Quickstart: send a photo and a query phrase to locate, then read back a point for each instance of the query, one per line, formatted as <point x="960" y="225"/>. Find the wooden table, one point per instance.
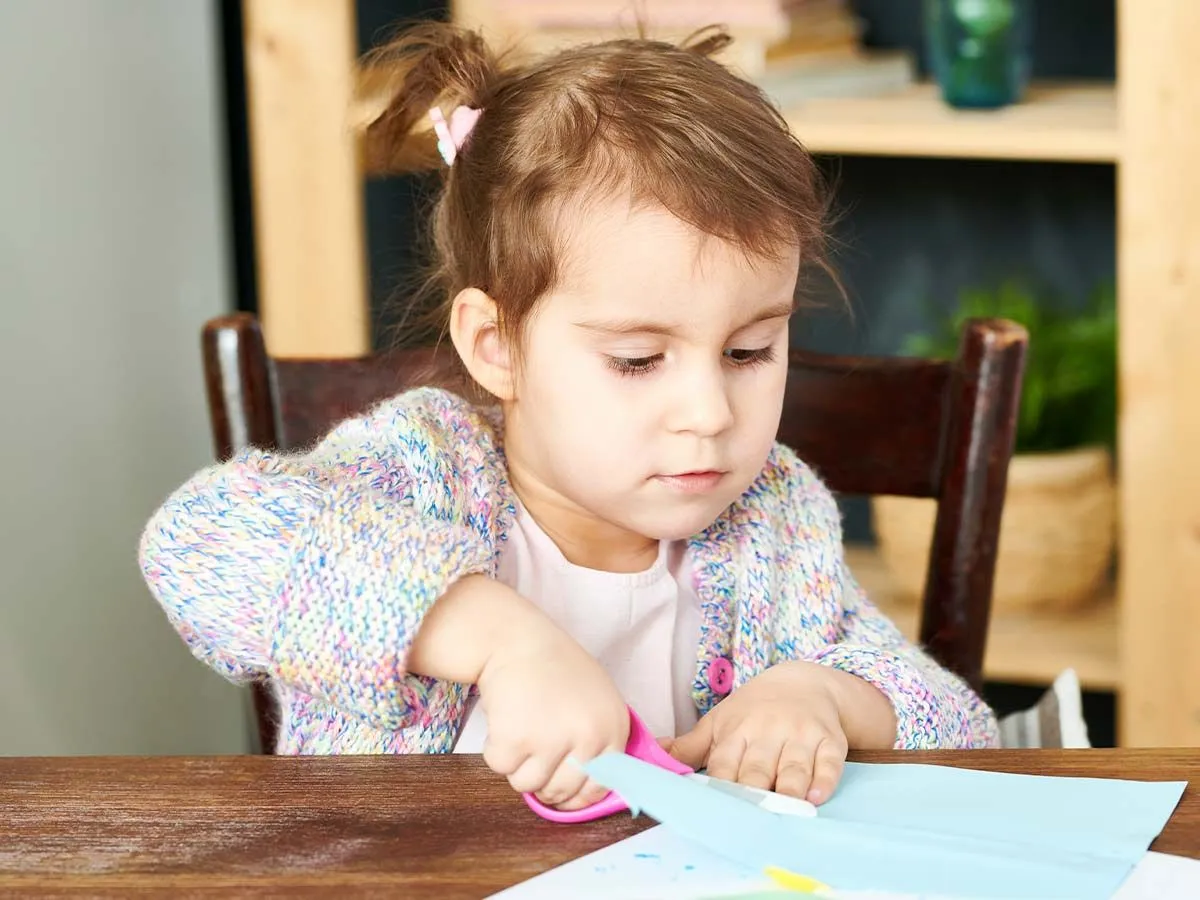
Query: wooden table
<point x="409" y="827"/>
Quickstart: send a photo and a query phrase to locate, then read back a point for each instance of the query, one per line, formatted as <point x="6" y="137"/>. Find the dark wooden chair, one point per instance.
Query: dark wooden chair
<point x="921" y="428"/>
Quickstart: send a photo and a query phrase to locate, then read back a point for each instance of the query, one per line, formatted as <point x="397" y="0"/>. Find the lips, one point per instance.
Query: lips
<point x="696" y="482"/>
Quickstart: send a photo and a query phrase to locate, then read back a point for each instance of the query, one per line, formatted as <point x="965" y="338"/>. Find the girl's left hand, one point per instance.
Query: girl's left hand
<point x="781" y="731"/>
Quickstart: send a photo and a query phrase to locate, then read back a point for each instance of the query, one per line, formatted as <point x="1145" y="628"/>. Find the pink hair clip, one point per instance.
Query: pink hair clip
<point x="452" y="135"/>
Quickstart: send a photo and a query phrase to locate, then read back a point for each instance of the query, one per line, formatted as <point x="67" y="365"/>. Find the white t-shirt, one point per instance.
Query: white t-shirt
<point x="643" y="627"/>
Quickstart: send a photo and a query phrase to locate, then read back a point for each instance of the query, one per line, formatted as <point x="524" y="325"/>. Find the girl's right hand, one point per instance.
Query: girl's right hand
<point x="549" y="705"/>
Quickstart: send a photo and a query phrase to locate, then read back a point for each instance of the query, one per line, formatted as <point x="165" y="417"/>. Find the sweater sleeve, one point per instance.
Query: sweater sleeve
<point x="934" y="707"/>
<point x="316" y="569"/>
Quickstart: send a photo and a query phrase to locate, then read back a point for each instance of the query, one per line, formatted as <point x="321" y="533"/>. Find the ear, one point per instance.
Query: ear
<point x="476" y="336"/>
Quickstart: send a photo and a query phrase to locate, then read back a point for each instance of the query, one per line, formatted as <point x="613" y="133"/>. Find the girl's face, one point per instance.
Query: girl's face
<point x="652" y="380"/>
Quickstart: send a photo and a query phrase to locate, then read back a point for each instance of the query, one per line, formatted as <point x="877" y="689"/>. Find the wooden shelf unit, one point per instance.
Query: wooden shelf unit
<point x="1074" y="122"/>
<point x="1068" y="122"/>
<point x="1147" y="124"/>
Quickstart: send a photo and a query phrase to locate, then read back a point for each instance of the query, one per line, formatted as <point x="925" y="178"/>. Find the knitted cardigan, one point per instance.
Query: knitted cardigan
<point x="315" y="569"/>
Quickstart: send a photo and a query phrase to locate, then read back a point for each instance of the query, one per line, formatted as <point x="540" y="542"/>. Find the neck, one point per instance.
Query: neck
<point x="582" y="538"/>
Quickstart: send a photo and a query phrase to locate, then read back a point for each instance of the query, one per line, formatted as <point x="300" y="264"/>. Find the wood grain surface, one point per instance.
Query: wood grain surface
<point x="405" y="826"/>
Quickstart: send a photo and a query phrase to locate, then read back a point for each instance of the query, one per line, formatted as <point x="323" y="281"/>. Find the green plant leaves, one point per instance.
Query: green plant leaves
<point x="1068" y="398"/>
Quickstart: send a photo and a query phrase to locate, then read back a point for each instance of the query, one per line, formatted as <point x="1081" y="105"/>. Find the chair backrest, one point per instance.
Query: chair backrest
<point x="867" y="425"/>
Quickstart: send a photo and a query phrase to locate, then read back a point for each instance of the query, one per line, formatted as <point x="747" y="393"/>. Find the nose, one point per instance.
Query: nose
<point x="702" y="404"/>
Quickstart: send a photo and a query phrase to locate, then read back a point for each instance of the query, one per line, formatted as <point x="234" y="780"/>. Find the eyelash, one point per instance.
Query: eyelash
<point x="644" y="365"/>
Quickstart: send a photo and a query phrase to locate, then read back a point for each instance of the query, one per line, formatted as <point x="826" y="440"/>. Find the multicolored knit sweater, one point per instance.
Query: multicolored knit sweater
<point x="315" y="569"/>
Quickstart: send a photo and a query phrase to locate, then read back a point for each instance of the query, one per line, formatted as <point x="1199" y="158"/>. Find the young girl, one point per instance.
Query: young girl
<point x="619" y="238"/>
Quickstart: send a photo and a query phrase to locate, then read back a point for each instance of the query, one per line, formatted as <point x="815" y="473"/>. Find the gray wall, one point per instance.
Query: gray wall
<point x="112" y="254"/>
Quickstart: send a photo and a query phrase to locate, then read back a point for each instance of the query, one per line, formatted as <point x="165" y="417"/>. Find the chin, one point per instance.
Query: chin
<point x="679" y="526"/>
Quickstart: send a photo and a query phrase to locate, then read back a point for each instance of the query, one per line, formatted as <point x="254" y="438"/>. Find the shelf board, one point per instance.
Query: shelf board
<point x="1023" y="647"/>
<point x="1065" y="121"/>
<point x="1057" y="121"/>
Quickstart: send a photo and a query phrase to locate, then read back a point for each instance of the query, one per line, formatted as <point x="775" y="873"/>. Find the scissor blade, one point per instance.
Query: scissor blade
<point x="768" y="801"/>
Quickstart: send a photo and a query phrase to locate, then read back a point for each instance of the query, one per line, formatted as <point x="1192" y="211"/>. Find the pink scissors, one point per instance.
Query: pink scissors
<point x="642" y="745"/>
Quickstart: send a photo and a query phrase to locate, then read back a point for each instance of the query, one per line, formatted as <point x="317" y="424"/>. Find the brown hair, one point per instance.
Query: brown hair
<point x="665" y="124"/>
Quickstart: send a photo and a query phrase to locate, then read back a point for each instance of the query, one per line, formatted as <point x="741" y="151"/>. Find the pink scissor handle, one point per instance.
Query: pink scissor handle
<point x="642" y="745"/>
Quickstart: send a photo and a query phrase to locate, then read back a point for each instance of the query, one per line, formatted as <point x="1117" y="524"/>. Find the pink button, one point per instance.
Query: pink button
<point x="720" y="675"/>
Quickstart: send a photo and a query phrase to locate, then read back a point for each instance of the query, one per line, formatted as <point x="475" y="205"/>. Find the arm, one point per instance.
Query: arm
<point x="933" y="707"/>
<point x="318" y="569"/>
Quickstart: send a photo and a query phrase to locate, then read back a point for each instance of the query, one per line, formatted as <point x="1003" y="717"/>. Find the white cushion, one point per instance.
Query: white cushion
<point x="1055" y="721"/>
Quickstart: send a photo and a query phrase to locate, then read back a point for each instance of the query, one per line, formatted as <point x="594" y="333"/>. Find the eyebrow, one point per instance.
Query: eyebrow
<point x="646" y="326"/>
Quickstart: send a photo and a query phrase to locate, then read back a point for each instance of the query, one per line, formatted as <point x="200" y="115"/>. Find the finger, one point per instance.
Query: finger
<point x="759" y="763"/>
<point x="592" y="793"/>
<point x="725" y="758"/>
<point x="534" y="774"/>
<point x="795" y="772"/>
<point x="589" y="793"/>
<point x="564" y="784"/>
<point x="828" y="765"/>
<point x="504" y="758"/>
<point x="692" y="748"/>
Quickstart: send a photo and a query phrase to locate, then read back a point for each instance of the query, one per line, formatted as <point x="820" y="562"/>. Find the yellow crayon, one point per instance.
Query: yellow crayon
<point x="801" y="884"/>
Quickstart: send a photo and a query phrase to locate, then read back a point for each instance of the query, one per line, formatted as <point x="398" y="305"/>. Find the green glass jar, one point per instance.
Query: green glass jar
<point x="979" y="50"/>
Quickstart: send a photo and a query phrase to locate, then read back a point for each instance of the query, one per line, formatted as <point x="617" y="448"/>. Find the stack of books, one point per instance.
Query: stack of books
<point x="542" y="26"/>
<point x="823" y="56"/>
<point x="796" y="50"/>
<point x="818" y="29"/>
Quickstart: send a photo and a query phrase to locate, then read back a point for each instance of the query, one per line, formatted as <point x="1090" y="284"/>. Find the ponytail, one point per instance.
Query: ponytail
<point x="433" y="64"/>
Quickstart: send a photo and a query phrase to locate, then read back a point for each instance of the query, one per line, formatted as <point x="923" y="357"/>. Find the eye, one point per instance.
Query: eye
<point x="740" y="357"/>
<point x="638" y="365"/>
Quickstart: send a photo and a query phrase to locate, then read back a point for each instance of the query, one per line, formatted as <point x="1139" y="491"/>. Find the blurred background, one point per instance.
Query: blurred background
<point x="165" y="161"/>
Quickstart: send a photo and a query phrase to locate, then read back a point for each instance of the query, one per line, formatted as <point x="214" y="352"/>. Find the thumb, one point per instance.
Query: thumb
<point x="692" y="748"/>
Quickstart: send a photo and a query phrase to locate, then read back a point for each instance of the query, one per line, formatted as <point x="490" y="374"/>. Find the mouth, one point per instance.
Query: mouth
<point x="697" y="482"/>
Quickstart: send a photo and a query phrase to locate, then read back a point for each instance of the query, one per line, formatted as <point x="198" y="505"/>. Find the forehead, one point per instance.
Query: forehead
<point x="619" y="258"/>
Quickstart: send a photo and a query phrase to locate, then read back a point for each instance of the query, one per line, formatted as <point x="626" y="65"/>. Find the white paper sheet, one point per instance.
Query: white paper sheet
<point x="658" y="865"/>
<point x="1162" y="877"/>
<point x="652" y="865"/>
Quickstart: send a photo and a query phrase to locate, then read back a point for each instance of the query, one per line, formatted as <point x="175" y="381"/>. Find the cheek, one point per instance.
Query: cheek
<point x="570" y="381"/>
<point x="760" y="404"/>
<point x="577" y="402"/>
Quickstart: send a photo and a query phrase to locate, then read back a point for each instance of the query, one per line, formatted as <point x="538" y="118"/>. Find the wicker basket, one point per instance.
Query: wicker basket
<point x="1056" y="536"/>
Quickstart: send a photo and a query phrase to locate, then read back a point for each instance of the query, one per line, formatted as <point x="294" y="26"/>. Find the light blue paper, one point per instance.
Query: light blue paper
<point x="924" y="829"/>
<point x="1092" y="815"/>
